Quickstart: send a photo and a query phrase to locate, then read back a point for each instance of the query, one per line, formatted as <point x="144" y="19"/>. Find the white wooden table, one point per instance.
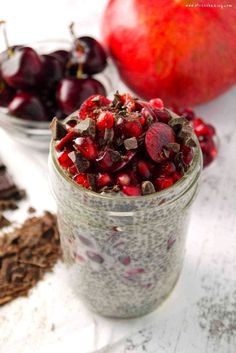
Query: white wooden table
<point x="200" y="315"/>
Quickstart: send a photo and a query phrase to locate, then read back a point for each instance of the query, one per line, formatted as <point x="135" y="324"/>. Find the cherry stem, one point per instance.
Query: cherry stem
<point x="9" y="50"/>
<point x="78" y="47"/>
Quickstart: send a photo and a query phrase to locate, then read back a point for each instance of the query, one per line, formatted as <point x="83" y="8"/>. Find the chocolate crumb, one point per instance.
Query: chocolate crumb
<point x="58" y="129"/>
<point x="26" y="254"/>
<point x="4" y="222"/>
<point x="31" y="209"/>
<point x="147" y="188"/>
<point x="81" y="162"/>
<point x="131" y="143"/>
<point x="86" y="127"/>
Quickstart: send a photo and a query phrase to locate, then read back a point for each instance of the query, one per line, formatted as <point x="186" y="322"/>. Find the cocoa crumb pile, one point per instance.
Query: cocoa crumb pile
<point x="26" y="254"/>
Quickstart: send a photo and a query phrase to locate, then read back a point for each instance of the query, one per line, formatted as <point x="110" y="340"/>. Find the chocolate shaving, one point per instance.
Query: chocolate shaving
<point x="81" y="162"/>
<point x="131" y="143"/>
<point x="26" y="254"/>
<point x="109" y="135"/>
<point x="86" y="127"/>
<point x="147" y="188"/>
<point x="115" y="156"/>
<point x="4" y="222"/>
<point x="58" y="129"/>
<point x="92" y="181"/>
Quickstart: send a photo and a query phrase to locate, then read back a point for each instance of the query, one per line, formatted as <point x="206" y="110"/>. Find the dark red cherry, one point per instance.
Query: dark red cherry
<point x="52" y="71"/>
<point x="94" y="55"/>
<point x="6" y="93"/>
<point x="27" y="106"/>
<point x="61" y="55"/>
<point x="72" y="92"/>
<point x="23" y="69"/>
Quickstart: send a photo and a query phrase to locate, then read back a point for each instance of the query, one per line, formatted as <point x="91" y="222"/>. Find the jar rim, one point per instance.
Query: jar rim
<point x="197" y="160"/>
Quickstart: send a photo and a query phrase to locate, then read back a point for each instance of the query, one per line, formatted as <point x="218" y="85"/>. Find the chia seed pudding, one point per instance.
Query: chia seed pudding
<point x="124" y="253"/>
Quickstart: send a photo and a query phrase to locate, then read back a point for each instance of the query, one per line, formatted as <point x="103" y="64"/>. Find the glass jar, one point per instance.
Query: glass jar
<point x="124" y="254"/>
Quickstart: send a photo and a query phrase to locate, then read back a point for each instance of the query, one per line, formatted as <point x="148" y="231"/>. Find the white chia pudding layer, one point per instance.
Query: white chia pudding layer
<point x="124" y="254"/>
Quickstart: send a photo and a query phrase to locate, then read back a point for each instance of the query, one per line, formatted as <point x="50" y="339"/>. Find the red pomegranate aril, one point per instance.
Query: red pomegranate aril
<point x="162" y="115"/>
<point x="187" y="154"/>
<point x="132" y="128"/>
<point x="128" y="101"/>
<point x="123" y="179"/>
<point x="131" y="190"/>
<point x="106" y="159"/>
<point x="176" y="176"/>
<point x="143" y="169"/>
<point x="65" y="140"/>
<point x="104" y="179"/>
<point x="124" y="162"/>
<point x="142" y="120"/>
<point x="87" y="147"/>
<point x="157" y="103"/>
<point x="188" y="114"/>
<point x="105" y="120"/>
<point x="210" y="130"/>
<point x="158" y="136"/>
<point x="92" y="103"/>
<point x="167" y="168"/>
<point x="73" y="170"/>
<point x="82" y="179"/>
<point x="162" y="183"/>
<point x="64" y="160"/>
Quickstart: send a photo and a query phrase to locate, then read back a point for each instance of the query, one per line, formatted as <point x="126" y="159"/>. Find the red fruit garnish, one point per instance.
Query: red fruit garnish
<point x="143" y="169"/>
<point x="64" y="160"/>
<point x="107" y="159"/>
<point x="82" y="179"/>
<point x="132" y="128"/>
<point x="157" y="103"/>
<point x="131" y="190"/>
<point x="87" y="147"/>
<point x="92" y="103"/>
<point x="105" y="120"/>
<point x="187" y="154"/>
<point x="128" y="101"/>
<point x="65" y="140"/>
<point x="176" y="176"/>
<point x="162" y="183"/>
<point x="167" y="168"/>
<point x="123" y="179"/>
<point x="124" y="162"/>
<point x="158" y="136"/>
<point x="104" y="179"/>
<point x="73" y="170"/>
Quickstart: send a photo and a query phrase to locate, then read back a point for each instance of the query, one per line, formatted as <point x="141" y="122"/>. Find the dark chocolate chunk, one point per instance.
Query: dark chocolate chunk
<point x="58" y="129"/>
<point x="131" y="143"/>
<point x="4" y="222"/>
<point x="81" y="162"/>
<point x="86" y="127"/>
<point x="147" y="188"/>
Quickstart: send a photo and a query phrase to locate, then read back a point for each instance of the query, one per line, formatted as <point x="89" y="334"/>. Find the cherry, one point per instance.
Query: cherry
<point x="52" y="69"/>
<point x="158" y="136"/>
<point x="90" y="52"/>
<point x="105" y="120"/>
<point x="61" y="55"/>
<point x="104" y="179"/>
<point x="131" y="190"/>
<point x="92" y="104"/>
<point x="87" y="147"/>
<point x="72" y="92"/>
<point x="6" y="93"/>
<point x="27" y="106"/>
<point x="162" y="183"/>
<point x="22" y="69"/>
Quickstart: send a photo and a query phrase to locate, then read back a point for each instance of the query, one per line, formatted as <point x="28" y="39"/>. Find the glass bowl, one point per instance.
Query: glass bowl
<point x="36" y="134"/>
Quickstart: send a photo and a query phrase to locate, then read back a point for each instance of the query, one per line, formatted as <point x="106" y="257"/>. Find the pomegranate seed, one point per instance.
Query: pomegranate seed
<point x="73" y="170"/>
<point x="176" y="176"/>
<point x="104" y="179"/>
<point x="162" y="183"/>
<point x="105" y="120"/>
<point x="131" y="190"/>
<point x="65" y="140"/>
<point x="143" y="169"/>
<point x="142" y="120"/>
<point x="132" y="128"/>
<point x="87" y="147"/>
<point x="157" y="136"/>
<point x="211" y="130"/>
<point x="64" y="160"/>
<point x="82" y="179"/>
<point x="188" y="114"/>
<point x="162" y="115"/>
<point x="91" y="104"/>
<point x="123" y="179"/>
<point x="167" y="168"/>
<point x="157" y="103"/>
<point x="187" y="154"/>
<point x="124" y="162"/>
<point x="128" y="101"/>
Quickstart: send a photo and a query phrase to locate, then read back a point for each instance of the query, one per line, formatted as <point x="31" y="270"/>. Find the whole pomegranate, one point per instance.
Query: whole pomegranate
<point x="179" y="50"/>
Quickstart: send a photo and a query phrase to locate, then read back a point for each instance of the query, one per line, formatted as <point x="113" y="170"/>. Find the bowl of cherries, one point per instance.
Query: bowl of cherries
<point x="41" y="80"/>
